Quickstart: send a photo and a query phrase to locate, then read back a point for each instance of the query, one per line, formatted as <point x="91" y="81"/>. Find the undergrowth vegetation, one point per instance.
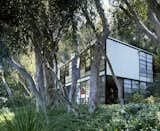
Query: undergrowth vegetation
<point x="131" y="117"/>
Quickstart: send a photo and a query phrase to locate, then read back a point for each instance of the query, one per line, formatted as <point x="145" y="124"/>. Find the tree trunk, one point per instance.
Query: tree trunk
<point x="9" y="92"/>
<point x="23" y="83"/>
<point x="103" y="43"/>
<point x="40" y="79"/>
<point x="72" y="89"/>
<point x="49" y="86"/>
<point x="94" y="79"/>
<point x="26" y="75"/>
<point x="60" y="92"/>
<point x="119" y="87"/>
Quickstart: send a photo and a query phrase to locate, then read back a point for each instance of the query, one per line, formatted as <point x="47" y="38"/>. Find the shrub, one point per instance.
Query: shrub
<point x="25" y="119"/>
<point x="137" y="98"/>
<point x="18" y="99"/>
<point x="151" y="99"/>
<point x="131" y="117"/>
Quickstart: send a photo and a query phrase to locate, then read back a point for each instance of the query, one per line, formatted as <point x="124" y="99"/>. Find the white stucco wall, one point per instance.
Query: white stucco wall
<point x="124" y="59"/>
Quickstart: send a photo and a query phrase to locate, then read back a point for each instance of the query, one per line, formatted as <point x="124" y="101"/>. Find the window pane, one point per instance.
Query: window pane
<point x="67" y="70"/>
<point x="142" y="54"/>
<point x="149" y="58"/>
<point x="135" y="86"/>
<point x="143" y="85"/>
<point x="127" y="86"/>
<point x="145" y="67"/>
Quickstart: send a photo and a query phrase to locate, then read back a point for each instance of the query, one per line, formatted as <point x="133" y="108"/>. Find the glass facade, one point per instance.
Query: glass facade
<point x="127" y="86"/>
<point x="83" y="92"/>
<point x="135" y="86"/>
<point x="146" y="67"/>
<point x="132" y="86"/>
<point x="101" y="90"/>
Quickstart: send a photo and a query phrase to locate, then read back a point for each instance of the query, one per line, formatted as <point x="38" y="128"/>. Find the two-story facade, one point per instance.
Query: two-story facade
<point x="133" y="67"/>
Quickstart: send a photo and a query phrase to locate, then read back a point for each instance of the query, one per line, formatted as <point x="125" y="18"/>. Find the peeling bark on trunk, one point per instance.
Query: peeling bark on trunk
<point x="94" y="79"/>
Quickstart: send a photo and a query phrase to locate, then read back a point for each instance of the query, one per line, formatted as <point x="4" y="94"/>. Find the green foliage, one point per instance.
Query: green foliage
<point x="137" y="98"/>
<point x="151" y="99"/>
<point x="25" y="119"/>
<point x="154" y="89"/>
<point x="19" y="95"/>
<point x="131" y="117"/>
<point x="18" y="99"/>
<point x="125" y="29"/>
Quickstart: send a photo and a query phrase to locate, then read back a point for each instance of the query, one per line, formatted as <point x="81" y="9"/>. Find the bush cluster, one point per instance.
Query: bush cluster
<point x="131" y="117"/>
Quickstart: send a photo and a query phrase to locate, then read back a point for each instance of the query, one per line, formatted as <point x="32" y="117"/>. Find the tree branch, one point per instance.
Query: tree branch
<point x="153" y="19"/>
<point x="140" y="24"/>
<point x="155" y="6"/>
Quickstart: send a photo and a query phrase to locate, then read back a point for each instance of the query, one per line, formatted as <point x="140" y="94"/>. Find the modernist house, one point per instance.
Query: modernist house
<point x="133" y="67"/>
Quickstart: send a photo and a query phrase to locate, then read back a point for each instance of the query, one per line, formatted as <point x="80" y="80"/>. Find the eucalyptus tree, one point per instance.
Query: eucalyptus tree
<point x="98" y="48"/>
<point x="40" y="25"/>
<point x="145" y="15"/>
<point x="101" y="35"/>
<point x="75" y="66"/>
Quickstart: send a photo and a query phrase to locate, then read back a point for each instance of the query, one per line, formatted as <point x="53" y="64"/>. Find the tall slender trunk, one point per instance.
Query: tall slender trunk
<point x="75" y="66"/>
<point x="49" y="86"/>
<point x="9" y="92"/>
<point x="94" y="78"/>
<point x="72" y="90"/>
<point x="55" y="68"/>
<point x="102" y="41"/>
<point x="119" y="87"/>
<point x="40" y="78"/>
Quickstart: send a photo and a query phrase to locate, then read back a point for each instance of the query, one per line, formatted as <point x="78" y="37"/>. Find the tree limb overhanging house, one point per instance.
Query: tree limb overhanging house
<point x="133" y="67"/>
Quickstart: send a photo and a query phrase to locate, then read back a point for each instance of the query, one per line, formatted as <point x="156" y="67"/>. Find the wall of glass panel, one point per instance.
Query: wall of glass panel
<point x="130" y="87"/>
<point x="83" y="92"/>
<point x="101" y="90"/>
<point x="127" y="86"/>
<point x="146" y="67"/>
<point x="133" y="86"/>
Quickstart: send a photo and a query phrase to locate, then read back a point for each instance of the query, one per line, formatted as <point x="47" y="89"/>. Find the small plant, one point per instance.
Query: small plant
<point x="151" y="99"/>
<point x="137" y="98"/>
<point x="25" y="119"/>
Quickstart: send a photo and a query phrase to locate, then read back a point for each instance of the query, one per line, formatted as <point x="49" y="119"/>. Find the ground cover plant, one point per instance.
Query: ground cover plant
<point x="131" y="117"/>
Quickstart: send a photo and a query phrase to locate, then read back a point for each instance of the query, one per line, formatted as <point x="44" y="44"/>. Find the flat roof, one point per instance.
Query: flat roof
<point x="137" y="48"/>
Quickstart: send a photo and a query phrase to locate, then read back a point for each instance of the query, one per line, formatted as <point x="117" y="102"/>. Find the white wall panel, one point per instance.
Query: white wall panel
<point x="124" y="59"/>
